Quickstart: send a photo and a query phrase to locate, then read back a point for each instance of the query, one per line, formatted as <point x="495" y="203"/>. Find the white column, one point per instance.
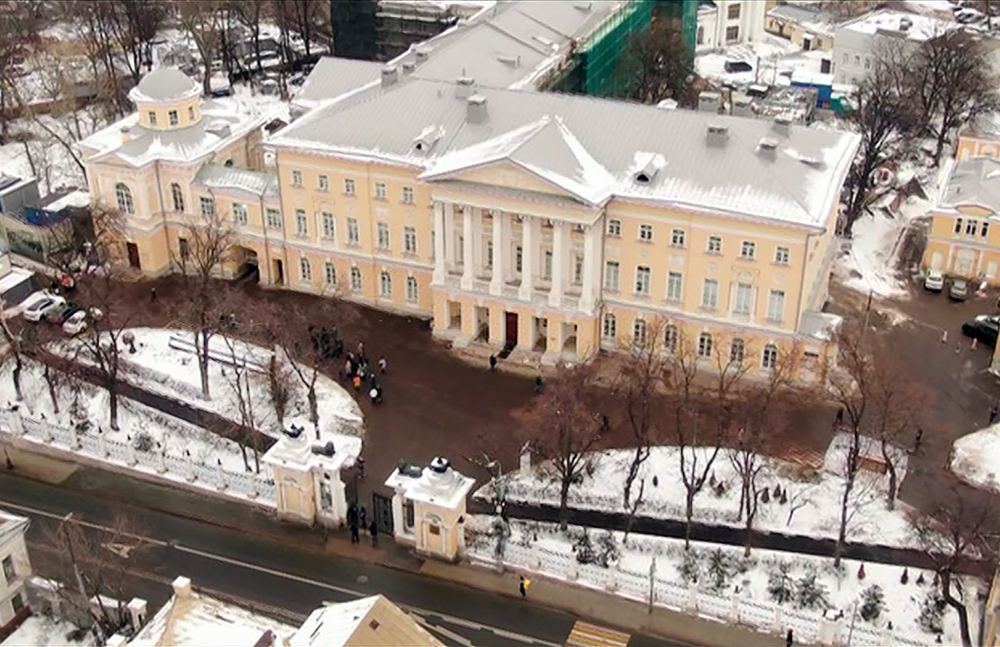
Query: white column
<point x="591" y="267"/>
<point x="560" y="235"/>
<point x="477" y="241"/>
<point x="499" y="252"/>
<point x="468" y="244"/>
<point x="450" y="257"/>
<point x="529" y="243"/>
<point x="439" y="249"/>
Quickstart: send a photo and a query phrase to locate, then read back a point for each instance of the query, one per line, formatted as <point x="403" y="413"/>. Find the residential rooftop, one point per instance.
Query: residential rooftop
<point x="918" y="27"/>
<point x="333" y="77"/>
<point x="974" y="181"/>
<point x="808" y="18"/>
<point x="367" y="621"/>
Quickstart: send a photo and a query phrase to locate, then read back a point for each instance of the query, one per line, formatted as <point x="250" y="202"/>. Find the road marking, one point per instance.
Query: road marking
<point x="85" y="524"/>
<point x="447" y="633"/>
<point x="587" y="635"/>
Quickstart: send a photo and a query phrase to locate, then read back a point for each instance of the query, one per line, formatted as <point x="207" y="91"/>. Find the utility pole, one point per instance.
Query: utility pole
<point x="72" y="556"/>
<point x="652" y="583"/>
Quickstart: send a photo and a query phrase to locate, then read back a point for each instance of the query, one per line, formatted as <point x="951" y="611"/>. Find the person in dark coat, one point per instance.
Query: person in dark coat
<point x="493" y="363"/>
<point x="373" y="529"/>
<point x="363" y="517"/>
<point x="538" y="384"/>
<point x="355" y="537"/>
<point x="789" y="639"/>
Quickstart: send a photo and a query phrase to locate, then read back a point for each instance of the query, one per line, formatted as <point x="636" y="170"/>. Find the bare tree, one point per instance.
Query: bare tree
<point x="562" y="428"/>
<point x="13" y="335"/>
<point x="281" y="386"/>
<point x="203" y="19"/>
<point x="656" y="65"/>
<point x="243" y="379"/>
<point x="134" y="25"/>
<point x="15" y="19"/>
<point x="250" y="16"/>
<point x="94" y="26"/>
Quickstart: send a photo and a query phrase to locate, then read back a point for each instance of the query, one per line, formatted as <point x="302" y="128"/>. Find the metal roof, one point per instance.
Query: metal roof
<point x="223" y="178"/>
<point x="165" y="84"/>
<point x="974" y="181"/>
<point x="333" y="77"/>
<point x="797" y="182"/>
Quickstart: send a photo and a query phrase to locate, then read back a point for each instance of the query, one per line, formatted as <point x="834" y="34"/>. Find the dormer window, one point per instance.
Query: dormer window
<point x="190" y="113"/>
<point x="427" y="138"/>
<point x="152" y="118"/>
<point x="647" y="165"/>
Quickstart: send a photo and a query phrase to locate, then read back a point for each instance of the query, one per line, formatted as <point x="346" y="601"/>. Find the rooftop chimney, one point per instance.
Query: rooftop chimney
<point x="741" y="107"/>
<point x="126" y="134"/>
<point x="390" y="74"/>
<point x="421" y="53"/>
<point x="767" y="148"/>
<point x="464" y="87"/>
<point x="783" y="124"/>
<point x="717" y="134"/>
<point x="182" y="587"/>
<point x="709" y="101"/>
<point x="408" y="67"/>
<point x="476" y="113"/>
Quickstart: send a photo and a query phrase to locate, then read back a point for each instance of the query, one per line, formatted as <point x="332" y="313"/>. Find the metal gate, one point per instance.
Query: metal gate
<point x="382" y="509"/>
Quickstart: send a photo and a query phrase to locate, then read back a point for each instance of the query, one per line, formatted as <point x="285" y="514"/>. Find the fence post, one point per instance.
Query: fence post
<point x="16" y="421"/>
<point x="162" y="468"/>
<point x="192" y="473"/>
<point x="734" y="609"/>
<point x="222" y="475"/>
<point x="574" y="567"/>
<point x="611" y="584"/>
<point x="74" y="435"/>
<point x="130" y="451"/>
<point x="46" y="431"/>
<point x="886" y="638"/>
<point x="692" y="601"/>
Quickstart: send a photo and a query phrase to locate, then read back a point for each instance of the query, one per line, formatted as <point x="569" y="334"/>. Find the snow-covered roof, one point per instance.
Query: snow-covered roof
<point x="165" y="84"/>
<point x="586" y="147"/>
<point x="333" y="77"/>
<point x="437" y="483"/>
<point x="10" y="525"/>
<point x="919" y="27"/>
<point x="76" y="198"/>
<point x="305" y="452"/>
<point x="973" y="181"/>
<point x="222" y="178"/>
<point x="819" y="325"/>
<point x="985" y="126"/>
<point x="368" y="621"/>
<point x="222" y="121"/>
<point x="332" y="626"/>
<point x="806" y="17"/>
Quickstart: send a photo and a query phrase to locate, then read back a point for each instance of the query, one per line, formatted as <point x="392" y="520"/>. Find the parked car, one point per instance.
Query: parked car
<point x="959" y="290"/>
<point x="61" y="314"/>
<point x="934" y="281"/>
<point x="29" y="301"/>
<point x="38" y="310"/>
<point x="76" y="323"/>
<point x="984" y="328"/>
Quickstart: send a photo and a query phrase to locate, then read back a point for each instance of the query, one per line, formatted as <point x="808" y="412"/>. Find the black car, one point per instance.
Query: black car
<point x="984" y="328"/>
<point x="62" y="314"/>
<point x="737" y="66"/>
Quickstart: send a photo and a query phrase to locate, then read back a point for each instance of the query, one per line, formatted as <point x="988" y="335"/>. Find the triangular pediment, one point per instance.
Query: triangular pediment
<point x="508" y="175"/>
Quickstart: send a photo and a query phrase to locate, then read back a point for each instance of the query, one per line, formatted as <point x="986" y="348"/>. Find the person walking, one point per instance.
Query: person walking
<point x="363" y="517"/>
<point x="525" y="584"/>
<point x="355" y="537"/>
<point x="152" y="295"/>
<point x="538" y="384"/>
<point x="373" y="530"/>
<point x="493" y="363"/>
<point x="382" y="365"/>
<point x="918" y="439"/>
<point x="789" y="639"/>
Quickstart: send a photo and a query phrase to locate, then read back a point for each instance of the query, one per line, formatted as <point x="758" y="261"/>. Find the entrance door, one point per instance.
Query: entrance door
<point x="382" y="510"/>
<point x="279" y="272"/>
<point x="133" y="255"/>
<point x="511" y="333"/>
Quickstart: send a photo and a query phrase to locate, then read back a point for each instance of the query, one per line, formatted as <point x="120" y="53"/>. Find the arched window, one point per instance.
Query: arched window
<point x="385" y="281"/>
<point x="639" y="333"/>
<point x="704" y="344"/>
<point x="770" y="357"/>
<point x="736" y="351"/>
<point x="305" y="269"/>
<point x="124" y="197"/>
<point x="178" y="197"/>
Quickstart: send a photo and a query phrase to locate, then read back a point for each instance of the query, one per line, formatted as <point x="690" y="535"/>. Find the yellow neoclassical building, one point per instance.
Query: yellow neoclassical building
<point x="550" y="225"/>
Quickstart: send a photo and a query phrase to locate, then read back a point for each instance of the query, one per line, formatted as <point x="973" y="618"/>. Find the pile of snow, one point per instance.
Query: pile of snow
<point x="723" y="572"/>
<point x="976" y="458"/>
<point x="870" y="263"/>
<point x="45" y="631"/>
<point x="812" y="506"/>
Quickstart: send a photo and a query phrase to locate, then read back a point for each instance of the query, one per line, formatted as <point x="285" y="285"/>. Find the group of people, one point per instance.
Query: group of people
<point x="358" y="370"/>
<point x="357" y="518"/>
<point x="327" y="342"/>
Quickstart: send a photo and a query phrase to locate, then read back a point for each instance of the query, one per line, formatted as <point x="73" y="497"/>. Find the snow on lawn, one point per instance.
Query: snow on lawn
<point x="45" y="631"/>
<point x="870" y="263"/>
<point x="774" y="55"/>
<point x="159" y="368"/>
<point x="722" y="570"/>
<point x="976" y="458"/>
<point x="90" y="404"/>
<point x="815" y="496"/>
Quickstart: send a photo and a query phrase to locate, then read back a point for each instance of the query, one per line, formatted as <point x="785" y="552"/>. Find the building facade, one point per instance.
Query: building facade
<point x="722" y="23"/>
<point x="15" y="570"/>
<point x="857" y="42"/>
<point x="808" y="28"/>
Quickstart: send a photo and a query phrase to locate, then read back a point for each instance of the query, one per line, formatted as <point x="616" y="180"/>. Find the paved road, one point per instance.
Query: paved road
<point x="281" y="579"/>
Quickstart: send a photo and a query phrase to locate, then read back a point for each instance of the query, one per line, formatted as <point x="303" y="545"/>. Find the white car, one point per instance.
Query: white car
<point x="29" y="301"/>
<point x="37" y="310"/>
<point x="77" y="321"/>
<point x="934" y="281"/>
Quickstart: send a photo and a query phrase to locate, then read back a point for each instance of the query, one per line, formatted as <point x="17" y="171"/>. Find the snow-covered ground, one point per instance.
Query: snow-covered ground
<point x="722" y="572"/>
<point x="776" y="57"/>
<point x="976" y="458"/>
<point x="43" y="631"/>
<point x="870" y="263"/>
<point x="812" y="507"/>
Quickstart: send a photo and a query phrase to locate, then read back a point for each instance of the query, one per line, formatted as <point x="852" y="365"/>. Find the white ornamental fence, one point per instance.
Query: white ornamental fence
<point x="811" y="628"/>
<point x="211" y="479"/>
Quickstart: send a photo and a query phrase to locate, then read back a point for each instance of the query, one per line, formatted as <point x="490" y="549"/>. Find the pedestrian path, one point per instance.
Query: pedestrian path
<point x="585" y="634"/>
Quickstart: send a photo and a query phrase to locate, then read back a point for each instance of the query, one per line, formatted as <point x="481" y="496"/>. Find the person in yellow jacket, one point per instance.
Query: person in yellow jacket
<point x="525" y="585"/>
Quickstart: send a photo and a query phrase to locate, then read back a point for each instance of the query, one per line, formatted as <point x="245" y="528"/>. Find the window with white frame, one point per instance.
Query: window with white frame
<point x="776" y="306"/>
<point x="970" y="226"/>
<point x="782" y="255"/>
<point x="152" y="118"/>
<point x="240" y="215"/>
<point x="733" y="12"/>
<point x="173" y="118"/>
<point x="353" y="234"/>
<point x="380" y="191"/>
<point x="714" y="244"/>
<point x="704" y="344"/>
<point x="984" y="230"/>
<point x="677" y="238"/>
<point x="330" y="273"/>
<point x="770" y="357"/>
<point x="518" y="258"/>
<point x="329" y="225"/>
<point x="646" y="233"/>
<point x="356" y="279"/>
<point x="577" y="269"/>
<point x="296" y="178"/>
<point x="385" y="283"/>
<point x="547" y="265"/>
<point x="710" y="294"/>
<point x="639" y="330"/>
<point x="958" y="225"/>
<point x="748" y="249"/>
<point x="301" y="222"/>
<point x="675" y="284"/>
<point x="412" y="291"/>
<point x="642" y="280"/>
<point x="671" y="335"/>
<point x="323" y="183"/>
<point x="348" y="186"/>
<point x="736" y="350"/>
<point x="612" y="275"/>
<point x="123" y="196"/>
<point x="407" y="195"/>
<point x="743" y="301"/>
<point x="183" y="249"/>
<point x="273" y="219"/>
<point x="609" y="326"/>
<point x="177" y="194"/>
<point x="207" y="207"/>
<point x="410" y="240"/>
<point x="489" y="254"/>
<point x="305" y="269"/>
<point x="615" y="228"/>
<point x="383" y="235"/>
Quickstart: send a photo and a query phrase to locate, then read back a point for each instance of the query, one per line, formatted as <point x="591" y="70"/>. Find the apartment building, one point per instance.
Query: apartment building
<point x="15" y="569"/>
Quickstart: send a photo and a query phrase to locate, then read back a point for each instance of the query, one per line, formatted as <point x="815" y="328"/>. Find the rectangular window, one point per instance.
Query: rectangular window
<point x="615" y="228"/>
<point x="240" y="213"/>
<point x="639" y="330"/>
<point x="646" y="233"/>
<point x="412" y="291"/>
<point x="301" y="222"/>
<point x="577" y="269"/>
<point x="958" y="225"/>
<point x="782" y="255"/>
<point x="410" y="240"/>
<point x="380" y="192"/>
<point x="383" y="235"/>
<point x="331" y="273"/>
<point x="17" y="602"/>
<point x="675" y="281"/>
<point x="182" y="248"/>
<point x="190" y="113"/>
<point x="324" y="183"/>
<point x="273" y="219"/>
<point x="733" y="13"/>
<point x="353" y="235"/>
<point x="732" y="33"/>
<point x="348" y="186"/>
<point x="776" y="306"/>
<point x="611" y="276"/>
<point x="296" y="178"/>
<point x="172" y="118"/>
<point x="748" y="249"/>
<point x="970" y="227"/>
<point x="714" y="245"/>
<point x="8" y="569"/>
<point x="985" y="229"/>
<point x="305" y="269"/>
<point x="207" y="207"/>
<point x="710" y="294"/>
<point x="385" y="283"/>
<point x="642" y="280"/>
<point x="518" y="258"/>
<point x="677" y="238"/>
<point x="407" y="195"/>
<point x="547" y="265"/>
<point x="356" y="279"/>
<point x="152" y="118"/>
<point x="329" y="225"/>
<point x="609" y="328"/>
<point x="744" y="299"/>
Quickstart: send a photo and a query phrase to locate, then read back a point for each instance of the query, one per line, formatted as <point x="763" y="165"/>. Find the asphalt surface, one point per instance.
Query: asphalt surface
<point x="277" y="578"/>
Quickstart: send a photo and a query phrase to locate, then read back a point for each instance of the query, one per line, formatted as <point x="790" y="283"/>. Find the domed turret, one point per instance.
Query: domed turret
<point x="167" y="99"/>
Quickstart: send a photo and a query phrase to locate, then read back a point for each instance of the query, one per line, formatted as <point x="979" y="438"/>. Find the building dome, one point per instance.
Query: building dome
<point x="165" y="85"/>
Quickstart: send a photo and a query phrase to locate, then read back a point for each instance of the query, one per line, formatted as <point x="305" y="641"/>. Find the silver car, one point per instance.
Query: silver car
<point x="959" y="290"/>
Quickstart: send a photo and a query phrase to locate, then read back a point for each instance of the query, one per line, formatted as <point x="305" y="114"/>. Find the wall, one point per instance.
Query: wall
<point x="973" y="145"/>
<point x="963" y="254"/>
<point x="16" y="549"/>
